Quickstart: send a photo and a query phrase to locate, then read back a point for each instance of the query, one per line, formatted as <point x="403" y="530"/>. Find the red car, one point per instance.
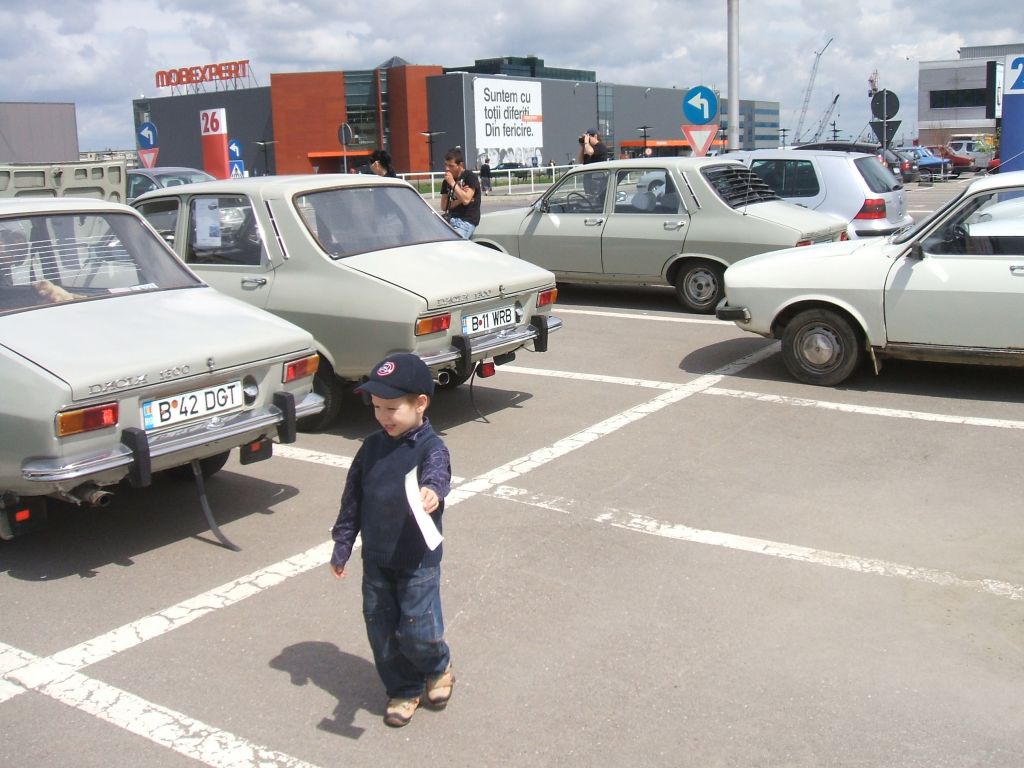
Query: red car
<point x="959" y="161"/>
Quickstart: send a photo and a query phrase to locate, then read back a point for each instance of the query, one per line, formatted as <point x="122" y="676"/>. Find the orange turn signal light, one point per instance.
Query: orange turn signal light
<point x="433" y="324"/>
<point x="301" y="368"/>
<point x="549" y="296"/>
<point x="86" y="419"/>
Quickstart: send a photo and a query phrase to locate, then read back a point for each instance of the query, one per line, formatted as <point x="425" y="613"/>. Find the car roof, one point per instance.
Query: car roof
<point x="788" y="153"/>
<point x="682" y="163"/>
<point x="12" y="206"/>
<point x="277" y="186"/>
<point x="164" y="169"/>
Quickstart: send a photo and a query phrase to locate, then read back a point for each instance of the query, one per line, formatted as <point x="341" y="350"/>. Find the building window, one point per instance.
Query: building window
<point x="958" y="99"/>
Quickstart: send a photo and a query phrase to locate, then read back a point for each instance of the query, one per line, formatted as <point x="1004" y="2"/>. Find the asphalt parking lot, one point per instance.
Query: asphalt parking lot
<point x="661" y="551"/>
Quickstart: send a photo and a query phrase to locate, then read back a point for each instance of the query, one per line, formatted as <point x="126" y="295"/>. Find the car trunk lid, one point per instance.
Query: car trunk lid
<point x="197" y="332"/>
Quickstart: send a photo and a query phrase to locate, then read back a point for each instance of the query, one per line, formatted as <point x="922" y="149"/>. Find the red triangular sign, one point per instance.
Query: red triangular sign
<point x="148" y="157"/>
<point x="700" y="137"/>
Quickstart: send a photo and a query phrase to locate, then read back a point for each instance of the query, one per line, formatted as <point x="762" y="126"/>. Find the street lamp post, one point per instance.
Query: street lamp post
<point x="430" y="143"/>
<point x="263" y="145"/>
<point x="644" y="129"/>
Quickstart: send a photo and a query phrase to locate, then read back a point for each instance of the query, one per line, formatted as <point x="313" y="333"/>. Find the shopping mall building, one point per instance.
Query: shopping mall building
<point x="507" y="110"/>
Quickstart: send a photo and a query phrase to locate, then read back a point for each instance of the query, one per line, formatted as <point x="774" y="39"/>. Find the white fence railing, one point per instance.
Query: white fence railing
<point x="520" y="181"/>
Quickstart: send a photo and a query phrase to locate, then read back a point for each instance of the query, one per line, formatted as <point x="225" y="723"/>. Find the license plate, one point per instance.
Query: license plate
<point x="192" y="405"/>
<point x="491" y="320"/>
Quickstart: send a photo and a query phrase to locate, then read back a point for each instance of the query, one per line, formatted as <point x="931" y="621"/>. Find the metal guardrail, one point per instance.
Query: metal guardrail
<point x="522" y="181"/>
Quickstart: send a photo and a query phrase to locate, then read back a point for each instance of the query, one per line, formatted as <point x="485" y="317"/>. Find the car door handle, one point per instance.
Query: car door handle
<point x="253" y="282"/>
<point x="670" y="225"/>
<point x="593" y="222"/>
<point x="1017" y="269"/>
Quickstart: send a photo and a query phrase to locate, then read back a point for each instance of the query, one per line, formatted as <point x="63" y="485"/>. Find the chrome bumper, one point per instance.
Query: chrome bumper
<point x="137" y="450"/>
<point x="464" y="351"/>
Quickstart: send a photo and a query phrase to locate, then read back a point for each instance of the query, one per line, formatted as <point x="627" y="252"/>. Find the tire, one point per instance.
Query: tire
<point x="821" y="347"/>
<point x="328" y="386"/>
<point x="210" y="466"/>
<point x="700" y="286"/>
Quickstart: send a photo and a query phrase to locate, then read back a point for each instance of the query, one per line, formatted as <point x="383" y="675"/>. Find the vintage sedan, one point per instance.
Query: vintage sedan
<point x="363" y="263"/>
<point x="116" y="361"/>
<point x="667" y="221"/>
<point x="950" y="289"/>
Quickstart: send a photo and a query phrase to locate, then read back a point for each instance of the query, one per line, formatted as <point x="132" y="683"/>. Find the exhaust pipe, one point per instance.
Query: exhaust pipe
<point x="95" y="496"/>
<point x="443" y="378"/>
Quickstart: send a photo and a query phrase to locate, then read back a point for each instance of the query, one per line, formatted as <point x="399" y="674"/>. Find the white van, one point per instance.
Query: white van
<point x="966" y="145"/>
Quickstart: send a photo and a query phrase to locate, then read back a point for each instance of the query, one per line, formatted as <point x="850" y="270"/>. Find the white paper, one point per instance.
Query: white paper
<point x="431" y="535"/>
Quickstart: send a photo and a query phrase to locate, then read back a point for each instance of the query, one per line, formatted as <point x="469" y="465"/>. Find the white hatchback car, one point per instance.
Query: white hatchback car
<point x="948" y="290"/>
<point x="852" y="185"/>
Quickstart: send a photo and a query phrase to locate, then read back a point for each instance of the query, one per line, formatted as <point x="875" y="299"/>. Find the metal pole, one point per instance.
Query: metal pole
<point x="734" y="74"/>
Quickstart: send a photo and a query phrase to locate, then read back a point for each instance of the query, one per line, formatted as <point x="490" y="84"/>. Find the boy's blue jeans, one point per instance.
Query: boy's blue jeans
<point x="462" y="226"/>
<point x="402" y="609"/>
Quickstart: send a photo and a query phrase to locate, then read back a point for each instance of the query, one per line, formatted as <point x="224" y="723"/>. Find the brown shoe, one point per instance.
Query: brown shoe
<point x="439" y="688"/>
<point x="400" y="711"/>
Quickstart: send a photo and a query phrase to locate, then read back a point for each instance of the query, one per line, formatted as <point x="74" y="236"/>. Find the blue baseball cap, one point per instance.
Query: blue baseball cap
<point x="399" y="375"/>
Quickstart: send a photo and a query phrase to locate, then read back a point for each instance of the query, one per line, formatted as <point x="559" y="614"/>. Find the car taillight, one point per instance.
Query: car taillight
<point x="433" y="324"/>
<point x="300" y="369"/>
<point x="803" y="242"/>
<point x="872" y="209"/>
<point x="549" y="296"/>
<point x="86" y="419"/>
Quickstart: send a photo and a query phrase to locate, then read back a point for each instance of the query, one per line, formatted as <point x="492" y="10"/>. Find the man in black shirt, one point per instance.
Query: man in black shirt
<point x="592" y="150"/>
<point x="460" y="194"/>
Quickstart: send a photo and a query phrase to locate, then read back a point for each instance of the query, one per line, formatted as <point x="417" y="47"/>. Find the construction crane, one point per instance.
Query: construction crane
<point x="807" y="93"/>
<point x="824" y="119"/>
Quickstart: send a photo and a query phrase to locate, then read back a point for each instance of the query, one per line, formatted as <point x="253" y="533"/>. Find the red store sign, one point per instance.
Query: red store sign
<point x="228" y="70"/>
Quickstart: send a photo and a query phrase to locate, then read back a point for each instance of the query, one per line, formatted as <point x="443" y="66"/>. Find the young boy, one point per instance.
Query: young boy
<point x="401" y="575"/>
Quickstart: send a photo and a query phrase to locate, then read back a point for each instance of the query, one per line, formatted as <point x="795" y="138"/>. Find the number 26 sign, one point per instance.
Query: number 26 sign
<point x="213" y="122"/>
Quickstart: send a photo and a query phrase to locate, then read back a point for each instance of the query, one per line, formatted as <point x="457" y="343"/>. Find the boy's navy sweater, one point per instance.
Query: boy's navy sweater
<point x="391" y="537"/>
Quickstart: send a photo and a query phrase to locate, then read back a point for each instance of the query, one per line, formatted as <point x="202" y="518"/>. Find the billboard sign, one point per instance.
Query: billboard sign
<point x="509" y="120"/>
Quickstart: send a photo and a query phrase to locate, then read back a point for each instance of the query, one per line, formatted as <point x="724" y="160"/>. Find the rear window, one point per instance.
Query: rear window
<point x="878" y="178"/>
<point x="59" y="258"/>
<point x="737" y="185"/>
<point x="354" y="220"/>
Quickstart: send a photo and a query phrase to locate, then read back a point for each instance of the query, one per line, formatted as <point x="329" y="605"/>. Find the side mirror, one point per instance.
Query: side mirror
<point x="542" y="206"/>
<point x="917" y="252"/>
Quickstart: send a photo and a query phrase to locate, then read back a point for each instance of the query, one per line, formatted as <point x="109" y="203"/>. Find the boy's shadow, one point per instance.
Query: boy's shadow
<point x="350" y="679"/>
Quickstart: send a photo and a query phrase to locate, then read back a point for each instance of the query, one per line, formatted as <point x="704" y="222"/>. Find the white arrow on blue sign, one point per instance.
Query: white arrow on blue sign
<point x="146" y="136"/>
<point x="700" y="105"/>
<point x="235" y="149"/>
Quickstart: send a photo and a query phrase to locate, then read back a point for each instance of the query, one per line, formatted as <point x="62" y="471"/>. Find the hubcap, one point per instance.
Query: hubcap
<point x="820" y="347"/>
<point x="701" y="287"/>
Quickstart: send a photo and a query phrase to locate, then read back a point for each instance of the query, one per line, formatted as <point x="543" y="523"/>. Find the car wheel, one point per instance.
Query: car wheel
<point x="328" y="386"/>
<point x="209" y="466"/>
<point x="821" y="347"/>
<point x="699" y="286"/>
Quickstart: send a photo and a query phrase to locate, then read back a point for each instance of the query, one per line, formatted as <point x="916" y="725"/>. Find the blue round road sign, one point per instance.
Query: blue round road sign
<point x="700" y="105"/>
<point x="146" y="136"/>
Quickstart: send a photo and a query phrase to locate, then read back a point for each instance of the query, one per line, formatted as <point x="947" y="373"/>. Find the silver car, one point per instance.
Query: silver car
<point x="666" y="221"/>
<point x="363" y="263"/>
<point x="854" y="186"/>
<point x="116" y="361"/>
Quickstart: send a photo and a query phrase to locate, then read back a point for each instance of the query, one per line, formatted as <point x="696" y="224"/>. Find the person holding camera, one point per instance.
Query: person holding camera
<point x="592" y="150"/>
<point x="460" y="194"/>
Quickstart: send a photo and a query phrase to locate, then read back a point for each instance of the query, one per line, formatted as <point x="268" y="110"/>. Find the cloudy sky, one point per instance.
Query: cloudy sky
<point x="100" y="54"/>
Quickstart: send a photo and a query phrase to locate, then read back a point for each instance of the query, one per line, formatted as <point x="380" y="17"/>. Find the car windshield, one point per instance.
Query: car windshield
<point x="58" y="258"/>
<point x="351" y="220"/>
<point x="737" y="185"/>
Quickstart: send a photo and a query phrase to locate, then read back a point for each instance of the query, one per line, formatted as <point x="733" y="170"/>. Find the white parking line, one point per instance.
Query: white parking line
<point x="643" y="316"/>
<point x="648" y="525"/>
<point x="163" y="726"/>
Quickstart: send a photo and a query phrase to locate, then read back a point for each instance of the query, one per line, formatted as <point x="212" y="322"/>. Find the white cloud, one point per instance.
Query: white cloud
<point x="102" y="53"/>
